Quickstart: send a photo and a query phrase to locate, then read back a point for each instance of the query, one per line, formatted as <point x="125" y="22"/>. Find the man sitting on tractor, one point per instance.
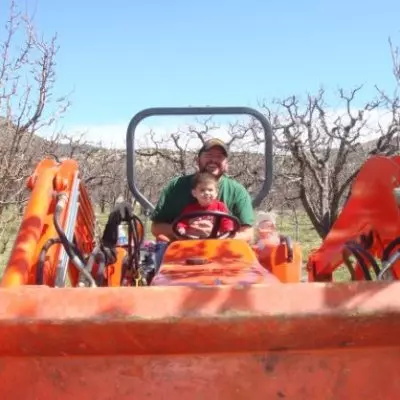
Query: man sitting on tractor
<point x="177" y="194"/>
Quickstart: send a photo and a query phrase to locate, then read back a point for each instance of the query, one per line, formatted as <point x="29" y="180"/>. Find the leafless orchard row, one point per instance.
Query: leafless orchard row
<point x="317" y="151"/>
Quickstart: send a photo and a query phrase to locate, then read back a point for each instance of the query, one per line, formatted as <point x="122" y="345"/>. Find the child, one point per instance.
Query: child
<point x="205" y="191"/>
<point x="266" y="232"/>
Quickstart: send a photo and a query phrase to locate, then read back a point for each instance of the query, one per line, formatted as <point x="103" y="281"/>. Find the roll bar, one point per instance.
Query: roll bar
<point x="208" y="110"/>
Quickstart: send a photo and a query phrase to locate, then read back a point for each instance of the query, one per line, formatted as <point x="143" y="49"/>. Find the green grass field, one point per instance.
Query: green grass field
<point x="303" y="232"/>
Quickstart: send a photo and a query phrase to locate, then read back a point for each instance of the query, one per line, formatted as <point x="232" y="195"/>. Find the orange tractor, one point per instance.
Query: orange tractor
<point x="216" y="319"/>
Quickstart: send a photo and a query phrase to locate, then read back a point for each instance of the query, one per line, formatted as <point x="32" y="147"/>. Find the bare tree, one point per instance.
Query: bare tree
<point x="27" y="78"/>
<point x="388" y="142"/>
<point x="324" y="150"/>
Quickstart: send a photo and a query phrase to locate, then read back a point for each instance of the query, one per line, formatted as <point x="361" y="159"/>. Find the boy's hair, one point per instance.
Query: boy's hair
<point x="203" y="177"/>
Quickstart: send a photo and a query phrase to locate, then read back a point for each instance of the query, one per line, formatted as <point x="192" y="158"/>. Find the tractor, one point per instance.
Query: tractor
<point x="214" y="317"/>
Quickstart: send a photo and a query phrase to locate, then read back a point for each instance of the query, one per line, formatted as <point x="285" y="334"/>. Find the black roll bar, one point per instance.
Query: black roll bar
<point x="208" y="110"/>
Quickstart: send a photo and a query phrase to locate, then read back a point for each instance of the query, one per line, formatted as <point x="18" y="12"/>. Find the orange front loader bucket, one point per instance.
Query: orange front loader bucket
<point x="294" y="341"/>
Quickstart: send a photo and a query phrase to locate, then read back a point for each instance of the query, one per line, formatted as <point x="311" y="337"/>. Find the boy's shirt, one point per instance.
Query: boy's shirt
<point x="226" y="224"/>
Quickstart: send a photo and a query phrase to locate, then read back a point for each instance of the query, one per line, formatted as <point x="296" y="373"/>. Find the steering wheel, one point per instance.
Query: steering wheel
<point x="218" y="215"/>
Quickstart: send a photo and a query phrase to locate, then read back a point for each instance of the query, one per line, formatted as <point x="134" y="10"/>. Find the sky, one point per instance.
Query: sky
<point x="118" y="57"/>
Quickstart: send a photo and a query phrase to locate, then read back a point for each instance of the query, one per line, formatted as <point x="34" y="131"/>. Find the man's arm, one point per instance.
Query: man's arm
<point x="245" y="233"/>
<point x="159" y="219"/>
<point x="244" y="211"/>
<point x="162" y="228"/>
<point x="226" y="224"/>
<point x="197" y="229"/>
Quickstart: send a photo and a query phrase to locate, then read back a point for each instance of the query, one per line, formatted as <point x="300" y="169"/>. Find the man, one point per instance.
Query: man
<point x="177" y="194"/>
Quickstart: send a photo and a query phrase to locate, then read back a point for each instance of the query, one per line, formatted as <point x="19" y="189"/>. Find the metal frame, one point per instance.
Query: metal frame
<point x="208" y="110"/>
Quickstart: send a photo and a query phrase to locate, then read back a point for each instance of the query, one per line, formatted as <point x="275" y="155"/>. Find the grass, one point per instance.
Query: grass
<point x="300" y="230"/>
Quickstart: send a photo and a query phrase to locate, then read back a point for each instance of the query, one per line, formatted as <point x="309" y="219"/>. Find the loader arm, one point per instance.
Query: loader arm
<point x="367" y="227"/>
<point x="56" y="231"/>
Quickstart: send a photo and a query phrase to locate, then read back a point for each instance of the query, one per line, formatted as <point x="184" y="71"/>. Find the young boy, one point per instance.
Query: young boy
<point x="205" y="191"/>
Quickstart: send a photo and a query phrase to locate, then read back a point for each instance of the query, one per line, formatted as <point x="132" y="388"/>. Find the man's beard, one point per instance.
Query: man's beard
<point x="212" y="168"/>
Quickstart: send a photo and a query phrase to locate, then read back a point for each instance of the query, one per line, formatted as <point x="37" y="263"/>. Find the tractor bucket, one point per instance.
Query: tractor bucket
<point x="293" y="341"/>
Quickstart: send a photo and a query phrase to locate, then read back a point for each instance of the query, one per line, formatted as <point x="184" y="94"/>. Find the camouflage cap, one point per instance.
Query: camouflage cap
<point x="208" y="144"/>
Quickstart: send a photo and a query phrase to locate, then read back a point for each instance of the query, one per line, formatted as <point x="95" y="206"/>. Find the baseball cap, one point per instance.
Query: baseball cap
<point x="208" y="144"/>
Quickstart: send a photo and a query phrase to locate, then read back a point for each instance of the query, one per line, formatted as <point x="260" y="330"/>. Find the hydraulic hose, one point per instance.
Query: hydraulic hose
<point x="137" y="219"/>
<point x="73" y="253"/>
<point x="134" y="254"/>
<point x="358" y="251"/>
<point x="388" y="259"/>
<point x="389" y="248"/>
<point x="42" y="259"/>
<point x="388" y="264"/>
<point x="96" y="255"/>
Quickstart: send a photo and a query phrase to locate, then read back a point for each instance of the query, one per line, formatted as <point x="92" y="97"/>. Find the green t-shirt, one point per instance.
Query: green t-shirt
<point x="177" y="194"/>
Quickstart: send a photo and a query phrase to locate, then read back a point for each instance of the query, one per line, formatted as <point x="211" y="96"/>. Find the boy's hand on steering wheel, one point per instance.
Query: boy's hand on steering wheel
<point x="182" y="230"/>
<point x="200" y="228"/>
